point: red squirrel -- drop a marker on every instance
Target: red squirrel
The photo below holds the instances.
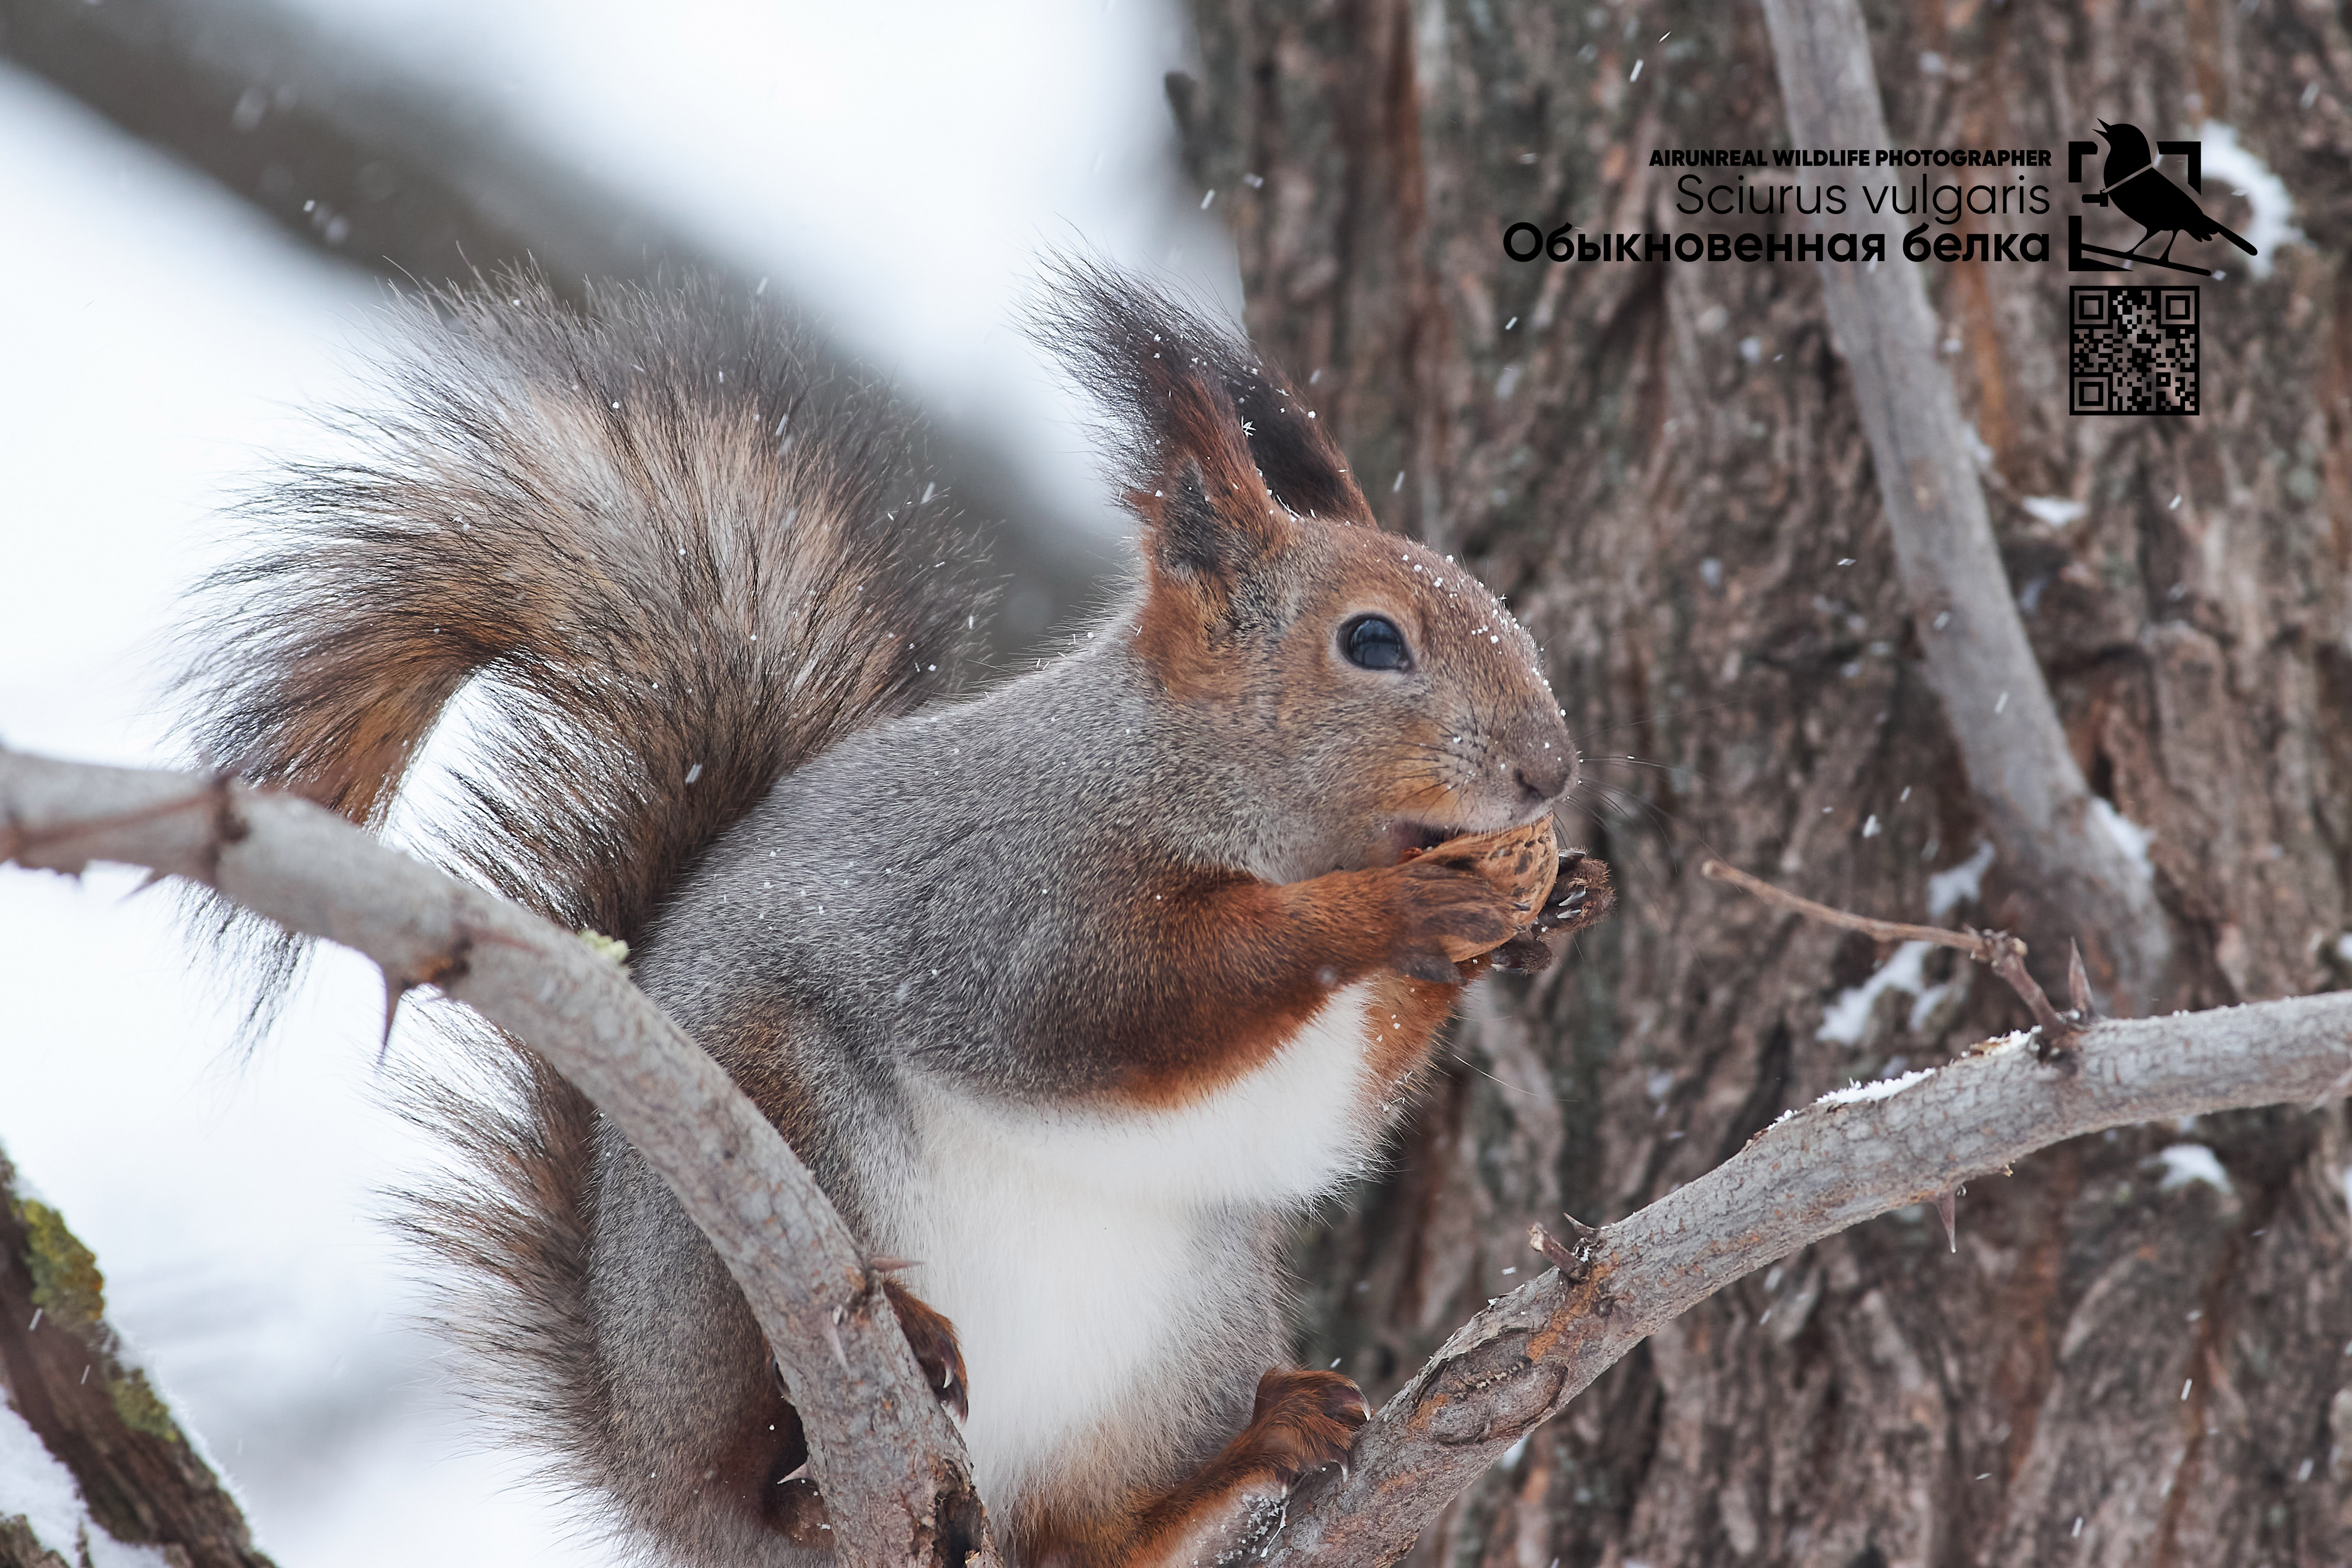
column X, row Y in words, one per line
column 1073, row 992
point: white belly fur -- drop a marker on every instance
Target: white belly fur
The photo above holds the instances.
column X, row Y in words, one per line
column 1075, row 1252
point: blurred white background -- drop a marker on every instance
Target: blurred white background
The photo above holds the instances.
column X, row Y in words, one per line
column 898, row 169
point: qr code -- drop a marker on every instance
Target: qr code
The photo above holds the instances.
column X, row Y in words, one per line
column 2134, row 351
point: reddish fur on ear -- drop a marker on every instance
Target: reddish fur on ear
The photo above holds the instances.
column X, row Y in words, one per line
column 1208, row 522
column 1210, row 516
column 1218, row 458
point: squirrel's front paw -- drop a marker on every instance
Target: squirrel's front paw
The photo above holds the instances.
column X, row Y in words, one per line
column 1581, row 896
column 1467, row 896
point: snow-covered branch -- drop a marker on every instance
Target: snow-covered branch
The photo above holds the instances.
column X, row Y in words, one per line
column 891, row 1465
column 1855, row 1153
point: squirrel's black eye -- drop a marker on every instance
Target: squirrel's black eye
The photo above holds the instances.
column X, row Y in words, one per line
column 1373, row 642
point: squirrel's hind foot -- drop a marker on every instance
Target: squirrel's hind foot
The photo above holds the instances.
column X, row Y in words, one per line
column 1303, row 1421
column 933, row 1339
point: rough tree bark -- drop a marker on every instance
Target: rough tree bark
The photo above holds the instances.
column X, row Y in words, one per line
column 1663, row 467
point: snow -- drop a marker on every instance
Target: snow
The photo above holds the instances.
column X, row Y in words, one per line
column 1963, row 883
column 2052, row 512
column 2185, row 1164
column 2126, row 835
column 1848, row 1015
column 1923, row 1006
column 2235, row 165
column 33, row 1484
column 1882, row 1088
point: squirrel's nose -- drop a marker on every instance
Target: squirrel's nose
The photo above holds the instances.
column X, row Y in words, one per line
column 1544, row 773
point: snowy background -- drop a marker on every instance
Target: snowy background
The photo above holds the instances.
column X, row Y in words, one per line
column 898, row 169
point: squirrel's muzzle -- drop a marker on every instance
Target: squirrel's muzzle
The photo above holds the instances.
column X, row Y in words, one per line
column 1545, row 779
column 1543, row 763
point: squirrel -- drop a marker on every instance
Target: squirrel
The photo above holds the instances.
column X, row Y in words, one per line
column 1074, row 991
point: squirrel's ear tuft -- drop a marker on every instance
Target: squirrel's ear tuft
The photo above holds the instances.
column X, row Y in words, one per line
column 1181, row 388
column 1206, row 513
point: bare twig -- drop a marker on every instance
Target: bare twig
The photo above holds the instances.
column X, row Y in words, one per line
column 1819, row 1171
column 2002, row 953
column 1978, row 661
column 2053, row 1031
column 897, row 1483
column 1973, row 943
column 1571, row 1261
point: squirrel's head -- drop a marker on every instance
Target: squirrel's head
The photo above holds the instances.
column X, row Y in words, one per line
column 1369, row 697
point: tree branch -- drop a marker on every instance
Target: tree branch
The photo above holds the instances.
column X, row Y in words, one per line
column 63, row 1372
column 897, row 1483
column 1852, row 1155
column 892, row 1467
column 1978, row 661
column 2004, row 954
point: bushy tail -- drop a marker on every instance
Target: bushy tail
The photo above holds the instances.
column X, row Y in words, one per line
column 677, row 567
column 674, row 565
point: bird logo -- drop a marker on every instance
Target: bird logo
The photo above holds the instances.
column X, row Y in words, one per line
column 2136, row 187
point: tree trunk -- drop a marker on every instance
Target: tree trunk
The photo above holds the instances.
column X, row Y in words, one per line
column 1662, row 467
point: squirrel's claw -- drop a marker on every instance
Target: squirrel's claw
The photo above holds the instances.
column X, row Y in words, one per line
column 933, row 1340
column 1581, row 895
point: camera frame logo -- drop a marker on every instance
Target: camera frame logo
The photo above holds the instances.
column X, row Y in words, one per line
column 2133, row 349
